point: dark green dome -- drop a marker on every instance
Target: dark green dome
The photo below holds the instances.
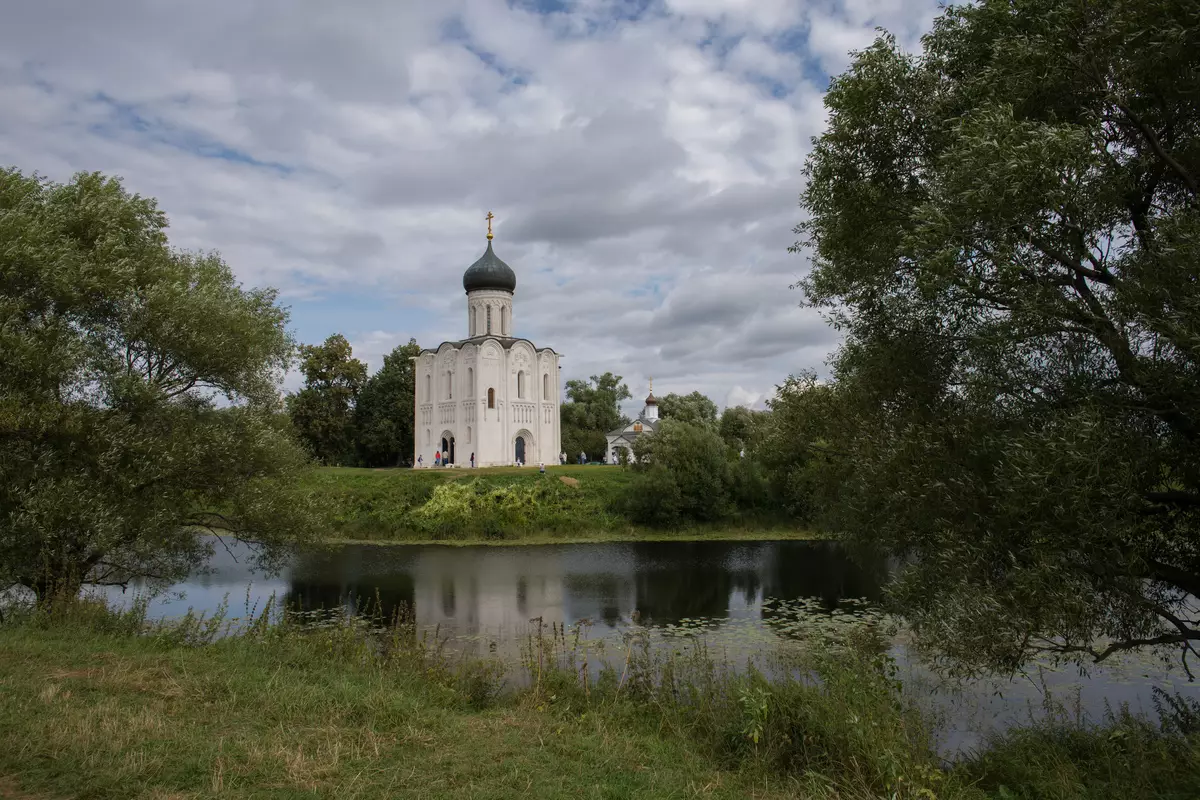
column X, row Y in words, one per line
column 489, row 272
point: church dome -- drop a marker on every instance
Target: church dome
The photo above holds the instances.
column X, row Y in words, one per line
column 489, row 272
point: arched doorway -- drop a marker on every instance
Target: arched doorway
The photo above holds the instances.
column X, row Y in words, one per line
column 447, row 447
column 523, row 446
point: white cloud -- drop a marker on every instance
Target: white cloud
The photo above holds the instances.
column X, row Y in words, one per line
column 643, row 159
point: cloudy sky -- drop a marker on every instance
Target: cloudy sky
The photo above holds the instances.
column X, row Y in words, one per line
column 643, row 159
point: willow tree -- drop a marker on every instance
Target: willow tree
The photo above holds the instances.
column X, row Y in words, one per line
column 139, row 405
column 1007, row 226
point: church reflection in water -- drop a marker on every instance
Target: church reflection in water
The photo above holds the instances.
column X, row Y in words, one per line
column 494, row 590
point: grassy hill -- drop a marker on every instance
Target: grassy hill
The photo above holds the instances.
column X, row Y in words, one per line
column 495, row 504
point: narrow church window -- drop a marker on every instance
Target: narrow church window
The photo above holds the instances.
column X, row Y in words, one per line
column 545, row 385
column 468, row 434
column 449, row 386
column 470, row 381
column 491, row 398
column 521, row 384
column 428, row 388
column 505, row 322
column 489, row 318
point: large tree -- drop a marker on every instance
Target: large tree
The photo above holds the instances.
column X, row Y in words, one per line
column 593, row 408
column 383, row 412
column 114, row 349
column 1007, row 227
column 323, row 410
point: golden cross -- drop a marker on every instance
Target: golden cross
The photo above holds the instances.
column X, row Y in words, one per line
column 652, row 386
column 489, row 218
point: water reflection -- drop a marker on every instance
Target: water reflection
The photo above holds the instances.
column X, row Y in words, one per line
column 476, row 590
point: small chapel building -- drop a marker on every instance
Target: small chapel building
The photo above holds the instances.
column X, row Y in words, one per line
column 492, row 395
column 624, row 437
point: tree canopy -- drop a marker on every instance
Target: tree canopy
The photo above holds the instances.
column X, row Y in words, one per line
column 1007, row 228
column 383, row 411
column 323, row 410
column 114, row 350
column 593, row 408
column 694, row 408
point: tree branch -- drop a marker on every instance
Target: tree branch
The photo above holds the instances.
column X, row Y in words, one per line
column 1148, row 133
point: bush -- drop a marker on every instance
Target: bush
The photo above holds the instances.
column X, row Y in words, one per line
column 684, row 475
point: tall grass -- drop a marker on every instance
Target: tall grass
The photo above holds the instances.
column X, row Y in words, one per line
column 224, row 705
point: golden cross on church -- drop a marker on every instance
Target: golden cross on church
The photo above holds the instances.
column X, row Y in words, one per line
column 489, row 219
column 652, row 386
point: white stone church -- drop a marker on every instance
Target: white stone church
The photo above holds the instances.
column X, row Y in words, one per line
column 492, row 395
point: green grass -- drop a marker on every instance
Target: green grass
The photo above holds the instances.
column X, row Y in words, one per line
column 102, row 705
column 502, row 505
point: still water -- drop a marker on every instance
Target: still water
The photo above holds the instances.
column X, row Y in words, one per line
column 745, row 596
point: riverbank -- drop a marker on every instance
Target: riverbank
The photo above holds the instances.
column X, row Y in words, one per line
column 102, row 705
column 506, row 505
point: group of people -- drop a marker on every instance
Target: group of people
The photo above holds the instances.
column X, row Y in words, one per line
column 441, row 461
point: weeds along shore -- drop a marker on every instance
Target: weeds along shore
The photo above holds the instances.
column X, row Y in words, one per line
column 505, row 505
column 105, row 703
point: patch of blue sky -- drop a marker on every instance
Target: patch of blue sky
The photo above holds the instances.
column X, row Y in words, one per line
column 125, row 118
column 615, row 10
column 319, row 316
column 454, row 31
column 794, row 41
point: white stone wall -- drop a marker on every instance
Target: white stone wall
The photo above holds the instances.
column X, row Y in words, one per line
column 452, row 402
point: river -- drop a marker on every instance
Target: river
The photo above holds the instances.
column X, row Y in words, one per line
column 741, row 597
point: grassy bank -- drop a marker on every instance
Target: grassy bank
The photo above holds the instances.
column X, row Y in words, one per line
column 503, row 505
column 93, row 710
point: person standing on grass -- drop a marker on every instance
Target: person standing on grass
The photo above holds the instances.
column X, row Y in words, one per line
column 420, row 461
column 437, row 458
column 542, row 465
column 472, row 461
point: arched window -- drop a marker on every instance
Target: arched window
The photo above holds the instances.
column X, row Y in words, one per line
column 427, row 436
column 449, row 385
column 468, row 434
column 491, row 398
column 521, row 384
column 489, row 319
column 545, row 385
column 505, row 321
column 470, row 382
column 428, row 388
column 470, row 321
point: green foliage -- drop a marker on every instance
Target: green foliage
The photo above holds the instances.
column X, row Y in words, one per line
column 113, row 349
column 466, row 505
column 739, row 426
column 383, row 411
column 683, row 472
column 694, row 408
column 323, row 411
column 593, row 408
column 790, row 443
column 1018, row 398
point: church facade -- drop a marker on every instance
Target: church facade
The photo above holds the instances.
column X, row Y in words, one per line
column 493, row 394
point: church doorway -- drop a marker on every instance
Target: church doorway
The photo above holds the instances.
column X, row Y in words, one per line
column 520, row 449
column 447, row 448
